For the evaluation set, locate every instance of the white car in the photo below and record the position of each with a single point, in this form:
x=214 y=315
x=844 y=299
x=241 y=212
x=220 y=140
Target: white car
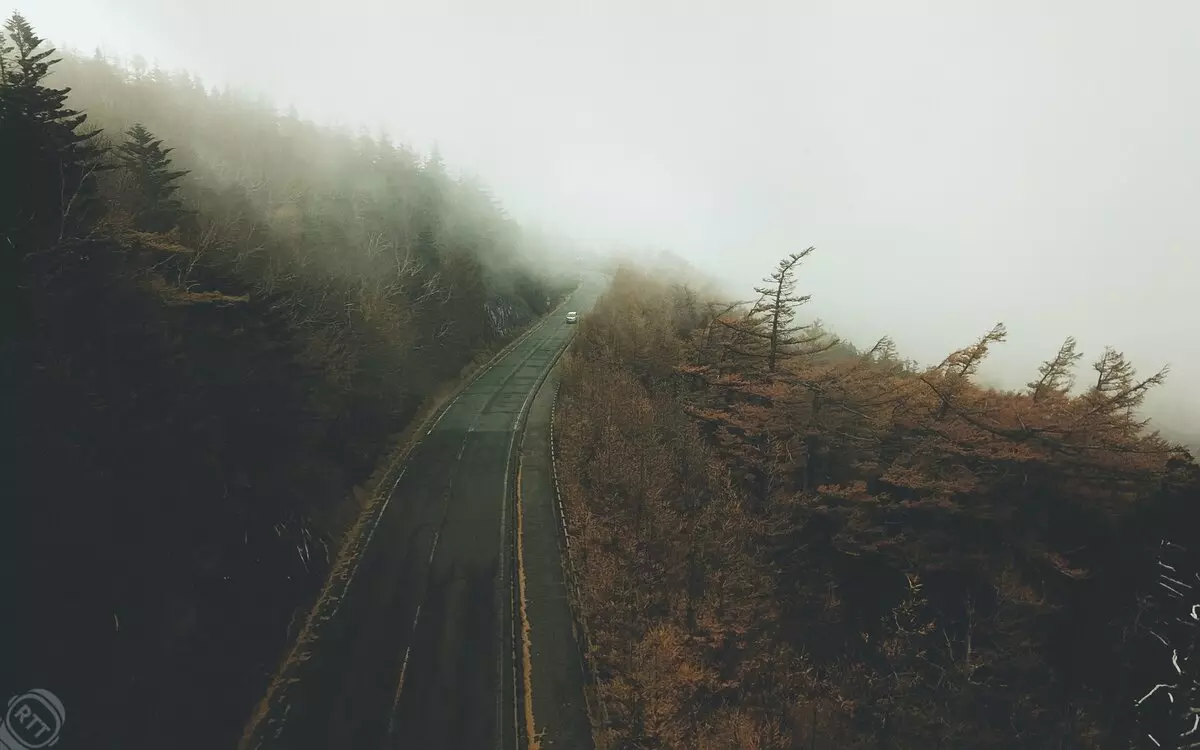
x=572 y=317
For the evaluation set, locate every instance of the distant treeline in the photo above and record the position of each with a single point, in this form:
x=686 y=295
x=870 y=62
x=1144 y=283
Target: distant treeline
x=216 y=323
x=788 y=542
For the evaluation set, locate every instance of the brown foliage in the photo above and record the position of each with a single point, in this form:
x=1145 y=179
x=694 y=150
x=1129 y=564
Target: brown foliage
x=850 y=551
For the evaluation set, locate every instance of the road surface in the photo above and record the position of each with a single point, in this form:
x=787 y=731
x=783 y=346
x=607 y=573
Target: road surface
x=418 y=650
x=560 y=712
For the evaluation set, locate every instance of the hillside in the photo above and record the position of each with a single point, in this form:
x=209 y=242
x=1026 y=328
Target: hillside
x=785 y=541
x=219 y=322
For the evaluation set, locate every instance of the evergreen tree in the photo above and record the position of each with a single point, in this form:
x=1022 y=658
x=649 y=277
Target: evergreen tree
x=49 y=166
x=158 y=208
x=767 y=332
x=5 y=50
x=778 y=307
x=1056 y=375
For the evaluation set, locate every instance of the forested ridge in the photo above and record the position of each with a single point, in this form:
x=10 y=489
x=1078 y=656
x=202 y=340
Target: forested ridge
x=785 y=541
x=218 y=322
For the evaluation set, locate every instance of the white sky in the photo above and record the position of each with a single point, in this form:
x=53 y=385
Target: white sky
x=955 y=163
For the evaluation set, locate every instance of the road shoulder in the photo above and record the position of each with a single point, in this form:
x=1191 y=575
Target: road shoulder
x=557 y=690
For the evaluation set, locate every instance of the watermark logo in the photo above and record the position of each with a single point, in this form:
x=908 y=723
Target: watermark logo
x=33 y=720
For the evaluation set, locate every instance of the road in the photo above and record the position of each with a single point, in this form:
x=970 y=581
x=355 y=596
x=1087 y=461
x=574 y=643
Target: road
x=418 y=649
x=558 y=672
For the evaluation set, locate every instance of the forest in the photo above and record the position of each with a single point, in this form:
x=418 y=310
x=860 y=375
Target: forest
x=782 y=540
x=219 y=321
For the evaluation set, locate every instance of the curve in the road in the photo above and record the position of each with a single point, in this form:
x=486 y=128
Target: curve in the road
x=417 y=651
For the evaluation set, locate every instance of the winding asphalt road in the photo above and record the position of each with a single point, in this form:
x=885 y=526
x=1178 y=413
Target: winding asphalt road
x=418 y=651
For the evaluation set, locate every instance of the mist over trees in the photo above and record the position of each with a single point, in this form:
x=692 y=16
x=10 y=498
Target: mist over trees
x=218 y=321
x=838 y=548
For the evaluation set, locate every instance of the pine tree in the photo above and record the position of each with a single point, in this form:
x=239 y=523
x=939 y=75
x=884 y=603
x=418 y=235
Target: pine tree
x=767 y=331
x=1056 y=375
x=49 y=166
x=1117 y=388
x=158 y=208
x=5 y=50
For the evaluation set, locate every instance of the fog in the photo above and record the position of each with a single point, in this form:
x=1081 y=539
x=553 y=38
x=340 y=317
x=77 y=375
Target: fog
x=955 y=164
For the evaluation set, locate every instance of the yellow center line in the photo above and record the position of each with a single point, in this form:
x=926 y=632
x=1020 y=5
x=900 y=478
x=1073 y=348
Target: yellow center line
x=526 y=654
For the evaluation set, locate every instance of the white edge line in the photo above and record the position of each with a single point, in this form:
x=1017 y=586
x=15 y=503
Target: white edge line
x=363 y=547
x=517 y=428
x=500 y=356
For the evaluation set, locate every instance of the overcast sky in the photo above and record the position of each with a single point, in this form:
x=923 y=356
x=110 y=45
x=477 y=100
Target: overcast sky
x=955 y=163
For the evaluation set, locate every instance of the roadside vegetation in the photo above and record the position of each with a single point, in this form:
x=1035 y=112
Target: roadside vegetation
x=217 y=323
x=787 y=541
